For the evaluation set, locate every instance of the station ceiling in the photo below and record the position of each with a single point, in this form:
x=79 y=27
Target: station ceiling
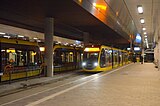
x=151 y=15
x=71 y=20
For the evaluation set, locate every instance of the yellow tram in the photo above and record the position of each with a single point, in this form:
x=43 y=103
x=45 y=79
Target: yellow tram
x=19 y=59
x=102 y=58
x=66 y=57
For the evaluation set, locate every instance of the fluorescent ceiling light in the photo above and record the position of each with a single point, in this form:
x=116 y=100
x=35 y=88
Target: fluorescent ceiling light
x=21 y=36
x=142 y=20
x=35 y=38
x=145 y=36
x=143 y=29
x=6 y=36
x=94 y=4
x=140 y=9
x=2 y=33
x=145 y=32
x=38 y=40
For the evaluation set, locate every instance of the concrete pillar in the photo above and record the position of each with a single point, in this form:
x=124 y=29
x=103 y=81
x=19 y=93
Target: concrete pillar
x=156 y=53
x=142 y=46
x=142 y=55
x=86 y=38
x=49 y=32
x=131 y=48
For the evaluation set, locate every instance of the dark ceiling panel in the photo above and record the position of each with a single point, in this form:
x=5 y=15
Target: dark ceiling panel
x=71 y=20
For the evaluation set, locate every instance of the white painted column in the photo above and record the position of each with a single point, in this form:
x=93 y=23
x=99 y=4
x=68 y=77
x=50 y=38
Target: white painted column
x=142 y=55
x=142 y=45
x=86 y=38
x=48 y=36
x=158 y=54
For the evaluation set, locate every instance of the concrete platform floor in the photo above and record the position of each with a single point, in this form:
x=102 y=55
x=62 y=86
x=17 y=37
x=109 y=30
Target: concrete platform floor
x=132 y=85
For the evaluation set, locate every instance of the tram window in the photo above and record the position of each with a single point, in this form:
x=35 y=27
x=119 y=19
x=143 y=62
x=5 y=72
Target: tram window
x=81 y=56
x=57 y=57
x=4 y=57
x=107 y=58
x=12 y=58
x=103 y=58
x=91 y=56
x=120 y=57
x=63 y=57
x=78 y=57
x=21 y=58
x=115 y=57
x=69 y=57
x=110 y=56
x=32 y=58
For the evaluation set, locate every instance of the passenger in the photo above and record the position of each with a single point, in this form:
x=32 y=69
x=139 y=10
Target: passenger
x=134 y=59
x=141 y=59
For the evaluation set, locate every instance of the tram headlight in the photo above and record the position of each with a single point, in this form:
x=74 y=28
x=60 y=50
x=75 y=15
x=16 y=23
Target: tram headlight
x=95 y=64
x=84 y=64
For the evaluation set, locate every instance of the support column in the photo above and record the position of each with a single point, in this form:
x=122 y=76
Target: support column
x=158 y=59
x=156 y=53
x=131 y=49
x=142 y=55
x=48 y=37
x=86 y=38
x=142 y=46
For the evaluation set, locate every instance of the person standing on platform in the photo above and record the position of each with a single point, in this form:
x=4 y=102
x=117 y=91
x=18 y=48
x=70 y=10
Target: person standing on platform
x=141 y=59
x=134 y=58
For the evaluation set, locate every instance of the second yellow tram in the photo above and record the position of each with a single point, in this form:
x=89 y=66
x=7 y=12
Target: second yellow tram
x=102 y=58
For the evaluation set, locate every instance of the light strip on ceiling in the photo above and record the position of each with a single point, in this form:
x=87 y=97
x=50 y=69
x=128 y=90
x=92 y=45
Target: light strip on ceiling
x=140 y=9
x=143 y=29
x=142 y=20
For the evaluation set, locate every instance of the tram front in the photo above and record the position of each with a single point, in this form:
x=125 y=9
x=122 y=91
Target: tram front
x=91 y=58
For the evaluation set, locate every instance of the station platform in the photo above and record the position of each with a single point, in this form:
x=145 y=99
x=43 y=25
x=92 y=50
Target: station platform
x=131 y=85
x=15 y=86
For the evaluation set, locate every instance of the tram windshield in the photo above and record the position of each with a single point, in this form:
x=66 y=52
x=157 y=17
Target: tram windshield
x=90 y=56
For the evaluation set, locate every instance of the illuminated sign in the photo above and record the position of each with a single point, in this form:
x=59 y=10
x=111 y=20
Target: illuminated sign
x=91 y=49
x=138 y=38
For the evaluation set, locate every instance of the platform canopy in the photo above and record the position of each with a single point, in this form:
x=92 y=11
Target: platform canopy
x=71 y=19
